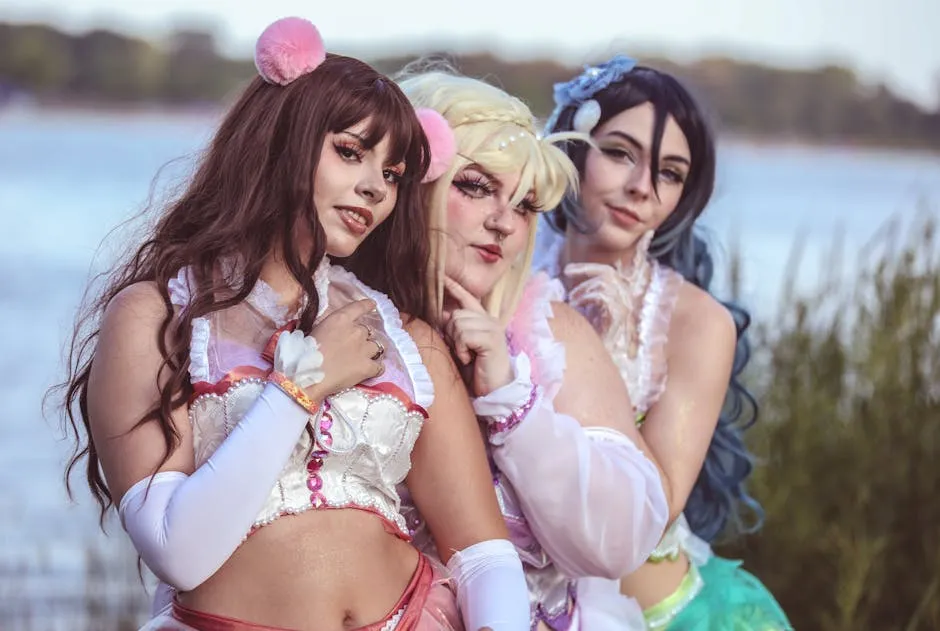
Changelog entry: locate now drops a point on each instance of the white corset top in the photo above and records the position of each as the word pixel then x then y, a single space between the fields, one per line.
pixel 360 445
pixel 370 434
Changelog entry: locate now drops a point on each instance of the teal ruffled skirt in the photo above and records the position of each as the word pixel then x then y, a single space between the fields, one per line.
pixel 719 596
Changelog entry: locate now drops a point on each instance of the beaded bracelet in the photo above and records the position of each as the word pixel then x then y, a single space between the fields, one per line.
pixel 294 391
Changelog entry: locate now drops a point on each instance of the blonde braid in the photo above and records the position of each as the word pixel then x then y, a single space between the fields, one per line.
pixel 497 117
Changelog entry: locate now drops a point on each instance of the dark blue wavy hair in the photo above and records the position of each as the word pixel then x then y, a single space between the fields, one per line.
pixel 719 498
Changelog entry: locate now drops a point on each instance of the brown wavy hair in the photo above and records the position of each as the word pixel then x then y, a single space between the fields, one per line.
pixel 252 188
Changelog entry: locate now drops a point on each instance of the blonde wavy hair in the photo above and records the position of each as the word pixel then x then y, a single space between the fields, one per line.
pixel 497 132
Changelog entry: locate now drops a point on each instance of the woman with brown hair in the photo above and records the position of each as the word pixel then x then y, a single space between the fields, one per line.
pixel 253 389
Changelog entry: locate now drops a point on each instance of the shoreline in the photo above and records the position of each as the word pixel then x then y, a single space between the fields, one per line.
pixel 210 112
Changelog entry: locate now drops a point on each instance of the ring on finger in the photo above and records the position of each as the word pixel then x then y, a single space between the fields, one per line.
pixel 381 349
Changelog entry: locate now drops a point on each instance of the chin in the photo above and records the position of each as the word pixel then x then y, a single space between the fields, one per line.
pixel 342 247
pixel 481 287
pixel 613 239
pixel 472 282
pixel 482 291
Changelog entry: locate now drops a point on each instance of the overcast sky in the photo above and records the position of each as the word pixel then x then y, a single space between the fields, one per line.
pixel 898 46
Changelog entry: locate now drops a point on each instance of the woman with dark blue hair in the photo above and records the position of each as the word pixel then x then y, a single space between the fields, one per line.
pixel 626 250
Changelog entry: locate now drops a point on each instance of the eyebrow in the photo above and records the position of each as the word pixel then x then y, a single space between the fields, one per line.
pixel 362 141
pixel 497 181
pixel 485 173
pixel 354 135
pixel 636 143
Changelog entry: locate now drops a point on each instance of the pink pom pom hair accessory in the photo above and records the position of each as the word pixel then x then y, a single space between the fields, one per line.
pixel 291 47
pixel 287 49
pixel 441 140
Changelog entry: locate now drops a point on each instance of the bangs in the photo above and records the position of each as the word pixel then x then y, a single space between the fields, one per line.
pixel 390 114
pixel 545 170
pixel 649 86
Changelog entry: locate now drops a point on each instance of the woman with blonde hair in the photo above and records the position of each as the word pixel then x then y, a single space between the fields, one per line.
pixel 577 490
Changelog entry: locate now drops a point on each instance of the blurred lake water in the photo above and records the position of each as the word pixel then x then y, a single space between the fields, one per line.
pixel 66 179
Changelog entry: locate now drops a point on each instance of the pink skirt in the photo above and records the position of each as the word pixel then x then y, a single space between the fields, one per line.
pixel 427 604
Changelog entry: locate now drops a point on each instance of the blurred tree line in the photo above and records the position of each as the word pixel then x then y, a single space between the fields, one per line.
pixel 104 67
pixel 828 104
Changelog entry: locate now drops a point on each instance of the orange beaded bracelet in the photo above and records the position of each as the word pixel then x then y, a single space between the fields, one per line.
pixel 294 391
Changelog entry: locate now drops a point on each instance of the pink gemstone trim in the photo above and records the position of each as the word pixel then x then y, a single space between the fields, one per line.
pixel 314 481
pixel 500 425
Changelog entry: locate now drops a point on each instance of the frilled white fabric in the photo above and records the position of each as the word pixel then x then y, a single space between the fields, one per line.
pixel 630 306
pixel 631 310
pixel 679 537
pixel 181 289
pixel 511 401
pixel 298 358
pixel 372 431
pixel 529 332
pixel 418 378
pixel 555 479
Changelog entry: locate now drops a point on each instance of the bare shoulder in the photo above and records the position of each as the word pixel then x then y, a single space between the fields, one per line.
pixel 592 391
pixel 126 382
pixel 585 355
pixel 417 328
pixel 138 307
pixel 700 324
pixel 433 349
pixel 570 327
pixel 128 344
pixel 423 334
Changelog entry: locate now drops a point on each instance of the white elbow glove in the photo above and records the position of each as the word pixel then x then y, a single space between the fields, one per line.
pixel 186 526
pixel 491 586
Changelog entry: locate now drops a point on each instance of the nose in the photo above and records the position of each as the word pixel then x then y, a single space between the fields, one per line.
pixel 640 182
pixel 500 221
pixel 373 186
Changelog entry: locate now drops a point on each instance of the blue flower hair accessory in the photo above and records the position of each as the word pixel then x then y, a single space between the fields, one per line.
pixel 581 90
